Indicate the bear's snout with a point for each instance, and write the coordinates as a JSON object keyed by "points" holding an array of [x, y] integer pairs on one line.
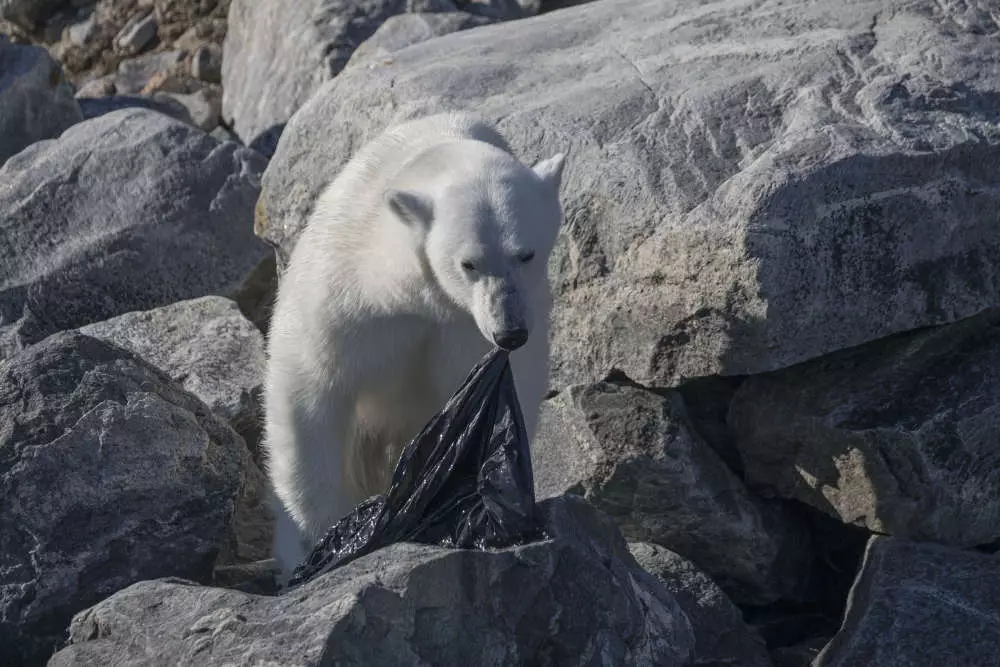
{"points": [[511, 339]]}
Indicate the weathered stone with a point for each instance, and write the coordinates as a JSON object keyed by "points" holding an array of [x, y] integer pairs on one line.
{"points": [[137, 34], [721, 637], [500, 9], [30, 14], [208, 347], [748, 186], [129, 211], [633, 454], [898, 436], [265, 80], [206, 63], [404, 30], [94, 107], [203, 107], [135, 74], [919, 604], [35, 101], [109, 475], [577, 599]]}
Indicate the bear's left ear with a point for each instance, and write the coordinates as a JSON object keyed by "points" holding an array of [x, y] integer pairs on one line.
{"points": [[410, 207], [550, 170]]}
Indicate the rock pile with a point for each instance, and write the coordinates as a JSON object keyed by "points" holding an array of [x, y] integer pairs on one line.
{"points": [[771, 436]]}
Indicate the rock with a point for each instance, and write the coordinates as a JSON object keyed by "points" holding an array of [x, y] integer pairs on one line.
{"points": [[208, 347], [256, 296], [29, 14], [721, 636], [206, 63], [135, 74], [100, 87], [919, 604], [633, 454], [799, 655], [897, 436], [404, 30], [137, 34], [35, 102], [501, 9], [80, 32], [129, 211], [202, 106], [578, 599], [746, 188], [93, 107], [265, 80], [109, 475]]}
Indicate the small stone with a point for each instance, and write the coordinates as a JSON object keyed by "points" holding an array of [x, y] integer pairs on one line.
{"points": [[80, 33], [206, 63], [137, 34]]}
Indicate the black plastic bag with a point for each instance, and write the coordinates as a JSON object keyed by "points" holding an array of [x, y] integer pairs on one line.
{"points": [[464, 481]]}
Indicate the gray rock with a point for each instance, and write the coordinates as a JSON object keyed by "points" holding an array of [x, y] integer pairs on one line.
{"points": [[206, 63], [203, 107], [721, 637], [898, 436], [35, 101], [208, 347], [109, 475], [137, 34], [103, 86], [93, 107], [80, 32], [404, 30], [29, 14], [501, 9], [746, 188], [265, 80], [129, 211], [578, 599], [633, 454], [919, 604], [134, 73]]}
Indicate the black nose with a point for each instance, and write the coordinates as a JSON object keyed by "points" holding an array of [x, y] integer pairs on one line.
{"points": [[511, 340]]}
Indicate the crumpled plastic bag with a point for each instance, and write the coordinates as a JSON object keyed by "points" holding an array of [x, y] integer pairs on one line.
{"points": [[465, 481]]}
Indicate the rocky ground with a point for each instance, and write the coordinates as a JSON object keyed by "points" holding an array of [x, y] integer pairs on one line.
{"points": [[772, 438]]}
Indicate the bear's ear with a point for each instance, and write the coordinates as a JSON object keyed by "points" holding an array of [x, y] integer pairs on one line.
{"points": [[410, 207], [550, 169]]}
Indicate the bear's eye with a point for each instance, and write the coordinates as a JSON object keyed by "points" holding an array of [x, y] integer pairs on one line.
{"points": [[527, 256], [468, 265]]}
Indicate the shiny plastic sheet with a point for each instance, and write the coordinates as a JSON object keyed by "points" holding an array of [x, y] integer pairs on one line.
{"points": [[464, 481]]}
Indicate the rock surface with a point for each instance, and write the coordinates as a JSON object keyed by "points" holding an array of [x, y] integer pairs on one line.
{"points": [[578, 599], [35, 101], [722, 639], [129, 211], [748, 185], [898, 436], [109, 475], [404, 30], [208, 347], [633, 454], [29, 13], [265, 80], [919, 604]]}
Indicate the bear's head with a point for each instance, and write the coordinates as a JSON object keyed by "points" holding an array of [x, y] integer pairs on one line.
{"points": [[485, 224]]}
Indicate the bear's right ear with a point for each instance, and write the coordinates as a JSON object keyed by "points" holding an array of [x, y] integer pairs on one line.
{"points": [[410, 207]]}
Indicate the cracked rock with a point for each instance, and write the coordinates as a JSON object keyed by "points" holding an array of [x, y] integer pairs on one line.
{"points": [[128, 211], [35, 101], [576, 599], [898, 436], [109, 475], [748, 186], [634, 454]]}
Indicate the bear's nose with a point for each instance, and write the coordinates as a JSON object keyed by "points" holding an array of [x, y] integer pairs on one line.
{"points": [[512, 339]]}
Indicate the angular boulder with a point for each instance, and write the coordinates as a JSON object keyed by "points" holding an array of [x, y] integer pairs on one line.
{"points": [[208, 347], [634, 454], [578, 598], [748, 185], [721, 637], [109, 475], [35, 101], [917, 603], [265, 80], [898, 436], [128, 211]]}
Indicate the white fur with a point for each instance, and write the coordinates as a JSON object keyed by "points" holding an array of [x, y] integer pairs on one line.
{"points": [[376, 321]]}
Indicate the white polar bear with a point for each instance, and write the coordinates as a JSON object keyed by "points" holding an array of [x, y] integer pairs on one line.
{"points": [[429, 246]]}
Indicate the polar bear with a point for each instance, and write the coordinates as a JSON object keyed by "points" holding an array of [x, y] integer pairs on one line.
{"points": [[427, 249]]}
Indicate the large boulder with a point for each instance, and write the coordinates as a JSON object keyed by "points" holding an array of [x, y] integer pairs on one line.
{"points": [[208, 347], [576, 599], [722, 638], [404, 30], [109, 474], [747, 186], [128, 211], [898, 436], [265, 80], [35, 101], [634, 454], [917, 603]]}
